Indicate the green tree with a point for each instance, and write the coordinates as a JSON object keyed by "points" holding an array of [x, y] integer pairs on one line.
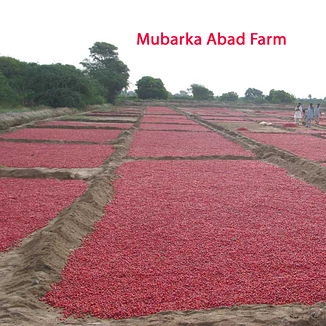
{"points": [[230, 97], [58, 85], [7, 95], [200, 92], [13, 70], [182, 95], [151, 88], [253, 93], [276, 96], [105, 66]]}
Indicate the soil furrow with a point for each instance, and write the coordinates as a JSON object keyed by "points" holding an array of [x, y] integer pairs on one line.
{"points": [[46, 173], [201, 157]]}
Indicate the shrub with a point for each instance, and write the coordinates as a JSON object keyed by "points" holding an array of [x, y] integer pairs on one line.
{"points": [[151, 88], [276, 96], [7, 95], [200, 92], [230, 96]]}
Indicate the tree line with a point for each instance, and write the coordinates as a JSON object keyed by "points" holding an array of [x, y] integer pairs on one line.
{"points": [[153, 88], [103, 78], [58, 85], [200, 92]]}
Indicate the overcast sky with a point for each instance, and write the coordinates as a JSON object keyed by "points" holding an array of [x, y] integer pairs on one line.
{"points": [[63, 31]]}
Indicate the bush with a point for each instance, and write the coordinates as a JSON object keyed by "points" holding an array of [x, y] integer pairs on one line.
{"points": [[280, 97], [54, 85], [58, 85], [253, 93], [151, 88], [200, 92], [7, 95], [14, 70], [230, 97]]}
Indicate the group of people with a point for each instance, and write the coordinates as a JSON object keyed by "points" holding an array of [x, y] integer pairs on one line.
{"points": [[306, 118]]}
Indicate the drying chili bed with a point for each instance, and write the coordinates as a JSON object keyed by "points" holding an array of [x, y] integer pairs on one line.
{"points": [[87, 135], [162, 119], [30, 155], [159, 109], [184, 235], [173, 143], [194, 127], [309, 147], [28, 204], [86, 124]]}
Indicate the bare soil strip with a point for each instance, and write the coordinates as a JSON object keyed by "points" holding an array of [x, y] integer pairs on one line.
{"points": [[8, 120], [169, 123], [174, 130], [245, 315], [202, 157], [46, 173], [160, 114]]}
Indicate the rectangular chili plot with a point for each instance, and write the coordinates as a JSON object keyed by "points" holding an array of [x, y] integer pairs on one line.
{"points": [[150, 126], [309, 147], [184, 235], [29, 155], [224, 118], [159, 109], [162, 119], [173, 143], [88, 135], [29, 204], [86, 124]]}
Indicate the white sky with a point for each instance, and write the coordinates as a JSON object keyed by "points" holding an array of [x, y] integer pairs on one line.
{"points": [[62, 31]]}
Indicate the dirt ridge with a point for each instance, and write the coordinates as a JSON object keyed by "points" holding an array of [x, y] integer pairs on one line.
{"points": [[12, 119], [199, 157], [47, 173]]}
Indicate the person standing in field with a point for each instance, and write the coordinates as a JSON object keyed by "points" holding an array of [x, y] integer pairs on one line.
{"points": [[317, 113], [310, 115], [303, 116], [298, 114]]}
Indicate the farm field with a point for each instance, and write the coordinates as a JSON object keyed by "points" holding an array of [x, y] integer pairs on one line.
{"points": [[306, 146], [85, 135], [86, 124], [163, 119], [192, 251], [181, 216], [27, 205], [29, 155], [172, 143], [162, 126]]}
